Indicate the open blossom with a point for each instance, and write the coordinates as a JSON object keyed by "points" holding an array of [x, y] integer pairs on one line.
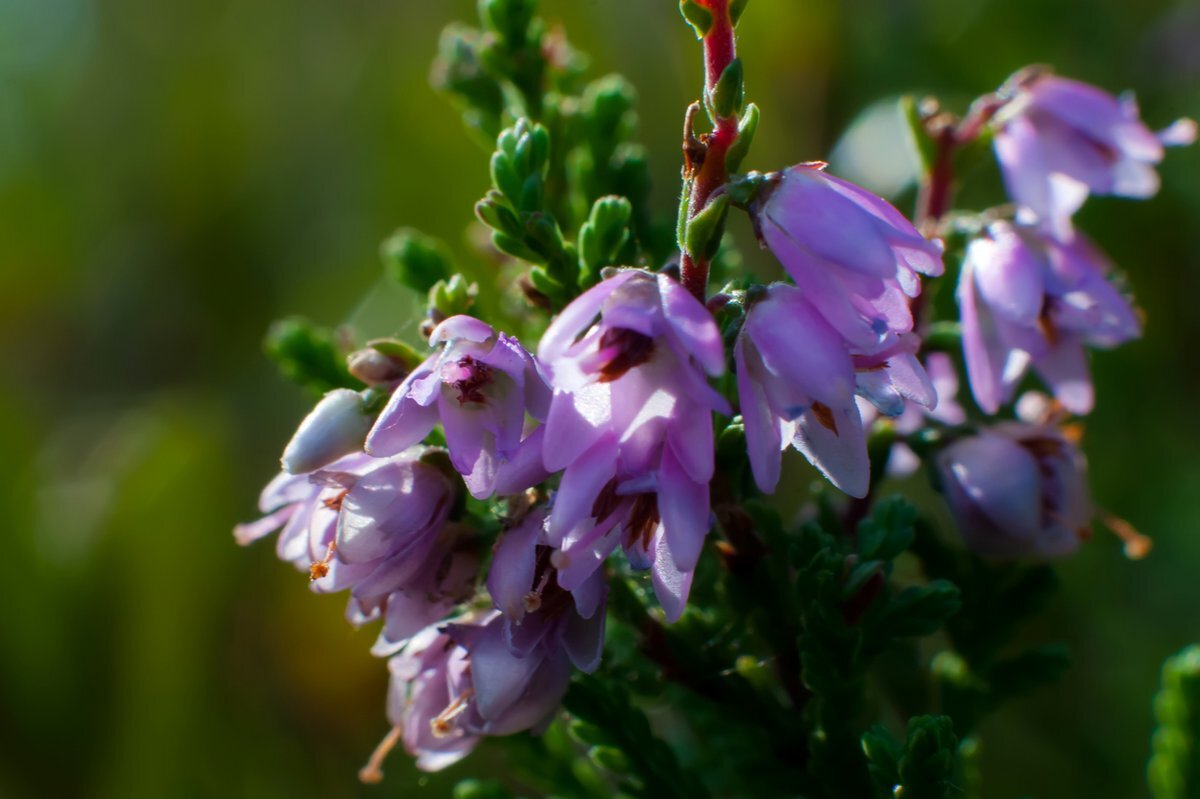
{"points": [[378, 527], [1060, 139], [631, 424], [1027, 298], [797, 381], [1017, 490], [480, 386], [499, 672], [856, 258]]}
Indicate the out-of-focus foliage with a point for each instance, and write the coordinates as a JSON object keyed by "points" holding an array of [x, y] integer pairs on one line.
{"points": [[175, 175]]}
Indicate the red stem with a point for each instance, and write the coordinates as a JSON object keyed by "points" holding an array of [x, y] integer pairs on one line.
{"points": [[719, 52]]}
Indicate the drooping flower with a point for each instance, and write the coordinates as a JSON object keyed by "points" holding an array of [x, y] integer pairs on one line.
{"points": [[797, 380], [1060, 139], [378, 527], [480, 386], [1027, 298], [1017, 490], [856, 258], [496, 673], [631, 424]]}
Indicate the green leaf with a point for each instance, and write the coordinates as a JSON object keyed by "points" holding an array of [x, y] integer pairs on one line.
{"points": [[1174, 768], [705, 229], [888, 531], [928, 765], [729, 95], [307, 354], [921, 610], [924, 147], [697, 16], [416, 260], [747, 127]]}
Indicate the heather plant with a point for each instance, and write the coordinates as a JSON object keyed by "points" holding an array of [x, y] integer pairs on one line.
{"points": [[564, 496]]}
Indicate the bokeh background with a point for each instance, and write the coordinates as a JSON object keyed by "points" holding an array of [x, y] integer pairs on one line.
{"points": [[175, 175]]}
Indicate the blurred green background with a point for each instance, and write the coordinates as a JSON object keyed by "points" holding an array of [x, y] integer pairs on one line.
{"points": [[175, 175]]}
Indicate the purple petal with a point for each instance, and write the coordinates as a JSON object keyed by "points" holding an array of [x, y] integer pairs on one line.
{"points": [[1064, 367], [575, 423], [1009, 274], [985, 354], [524, 470], [499, 678], [583, 639], [461, 327], [693, 324], [684, 505], [821, 368], [690, 438], [578, 316], [1001, 478], [840, 451], [510, 578], [581, 484], [763, 439], [671, 585], [402, 424]]}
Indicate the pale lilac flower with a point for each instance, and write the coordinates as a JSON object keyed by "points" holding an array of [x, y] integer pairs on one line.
{"points": [[1060, 139], [337, 426], [1027, 298], [856, 258], [479, 386], [427, 678], [537, 610], [303, 510], [1017, 490], [454, 684], [631, 425], [797, 380], [378, 527]]}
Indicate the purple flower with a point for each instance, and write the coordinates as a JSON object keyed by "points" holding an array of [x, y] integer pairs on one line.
{"points": [[1017, 490], [856, 258], [379, 528], [479, 386], [797, 380], [631, 424], [499, 673], [1060, 139], [903, 461], [429, 683], [1027, 298]]}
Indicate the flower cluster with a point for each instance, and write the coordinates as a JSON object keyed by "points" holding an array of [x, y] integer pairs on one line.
{"points": [[1035, 292], [604, 440]]}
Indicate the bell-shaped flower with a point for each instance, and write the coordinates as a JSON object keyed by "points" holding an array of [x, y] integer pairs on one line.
{"points": [[797, 379], [1059, 140], [428, 678], [856, 257], [454, 684], [304, 509], [1017, 490], [631, 424], [479, 385], [378, 527], [1027, 298], [537, 610]]}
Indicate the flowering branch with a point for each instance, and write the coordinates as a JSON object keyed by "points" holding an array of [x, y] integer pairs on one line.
{"points": [[705, 169]]}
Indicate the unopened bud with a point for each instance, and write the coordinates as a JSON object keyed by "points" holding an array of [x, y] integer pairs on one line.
{"points": [[335, 427]]}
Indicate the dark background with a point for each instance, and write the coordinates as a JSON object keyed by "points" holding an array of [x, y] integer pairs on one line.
{"points": [[175, 175]]}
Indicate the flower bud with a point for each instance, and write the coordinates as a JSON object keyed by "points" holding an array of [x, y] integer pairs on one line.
{"points": [[335, 427]]}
